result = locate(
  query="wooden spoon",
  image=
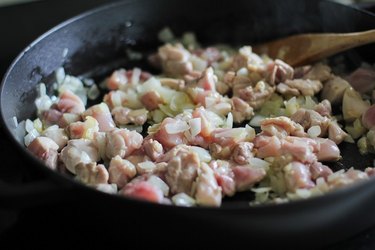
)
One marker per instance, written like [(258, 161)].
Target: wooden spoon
[(303, 49)]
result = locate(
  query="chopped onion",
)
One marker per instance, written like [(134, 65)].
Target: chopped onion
[(229, 122), (42, 89), (184, 200), (60, 75), (177, 127), (303, 193), (202, 153), (38, 125), (31, 136), (259, 163), (195, 126), (242, 72), (256, 120), (93, 92), (159, 183), (29, 125), (136, 76), (314, 131), (261, 190), (15, 121)]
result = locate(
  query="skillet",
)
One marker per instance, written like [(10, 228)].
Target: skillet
[(96, 41)]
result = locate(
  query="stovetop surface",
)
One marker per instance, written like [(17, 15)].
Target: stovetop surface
[(34, 227)]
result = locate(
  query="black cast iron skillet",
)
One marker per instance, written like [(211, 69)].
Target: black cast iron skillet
[(96, 42)]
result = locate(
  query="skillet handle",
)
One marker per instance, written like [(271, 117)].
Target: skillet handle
[(41, 192)]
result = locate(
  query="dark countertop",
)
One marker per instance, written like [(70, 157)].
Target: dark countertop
[(34, 227)]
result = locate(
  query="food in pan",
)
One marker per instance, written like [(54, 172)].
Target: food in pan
[(216, 121)]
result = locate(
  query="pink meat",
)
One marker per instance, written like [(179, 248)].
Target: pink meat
[(121, 171), (151, 100), (297, 175), (208, 192), (368, 118), (208, 80), (143, 190), (362, 80), (317, 169), (168, 140), (70, 103), (122, 142), (224, 176), (328, 150), (267, 146), (246, 176), (102, 114), (45, 149)]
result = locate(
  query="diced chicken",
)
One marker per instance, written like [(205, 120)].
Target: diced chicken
[(51, 117), (245, 176), (209, 54), (121, 171), (280, 72), (362, 80), (301, 86), (208, 192), (124, 116), (229, 136), (368, 117), (102, 114), (255, 96), (370, 171), (219, 152), (241, 110), (182, 172), (168, 140), (317, 169), (224, 176), (324, 108), (328, 150), (79, 151), (137, 157), (58, 135), (143, 190), (208, 80), (115, 98), (66, 119), (297, 176), (337, 180), (174, 60), (334, 90), (151, 100), (84, 129), (320, 72), (302, 149), (267, 146), (45, 149), (122, 142), (153, 149), (281, 127), (91, 173), (335, 132), (70, 103), (117, 79), (242, 152), (308, 118)]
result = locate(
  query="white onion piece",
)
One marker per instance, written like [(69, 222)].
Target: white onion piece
[(31, 136), (314, 131), (229, 122), (259, 163), (29, 125), (203, 154), (42, 90), (93, 92), (136, 76), (15, 121), (177, 127), (257, 119), (184, 200), (195, 126), (60, 75), (261, 190), (209, 101), (159, 183)]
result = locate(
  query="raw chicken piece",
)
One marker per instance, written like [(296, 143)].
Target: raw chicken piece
[(300, 87), (256, 95), (117, 79), (70, 103), (121, 171), (241, 110), (102, 114), (174, 60), (84, 129), (242, 152), (267, 146), (166, 139), (124, 116), (297, 176), (368, 118), (143, 190), (245, 176), (324, 108), (317, 169), (45, 149), (79, 151), (208, 192), (122, 142), (182, 171), (151, 100), (91, 173), (208, 80), (224, 176), (279, 72), (335, 132), (337, 180), (51, 117), (328, 150), (281, 127), (152, 148)]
